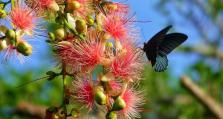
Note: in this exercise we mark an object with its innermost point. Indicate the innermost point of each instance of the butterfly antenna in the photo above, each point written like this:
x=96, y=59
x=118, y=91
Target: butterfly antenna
x=29, y=82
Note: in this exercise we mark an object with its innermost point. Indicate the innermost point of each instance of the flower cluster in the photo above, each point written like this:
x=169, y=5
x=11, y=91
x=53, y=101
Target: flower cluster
x=87, y=35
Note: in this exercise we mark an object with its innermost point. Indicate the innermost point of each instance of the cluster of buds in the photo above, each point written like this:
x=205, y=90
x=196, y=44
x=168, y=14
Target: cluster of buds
x=22, y=21
x=95, y=41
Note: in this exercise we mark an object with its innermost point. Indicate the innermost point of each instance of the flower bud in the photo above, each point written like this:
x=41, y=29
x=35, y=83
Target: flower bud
x=3, y=14
x=24, y=48
x=75, y=5
x=81, y=26
x=3, y=44
x=10, y=34
x=111, y=115
x=60, y=33
x=54, y=6
x=119, y=104
x=100, y=97
x=90, y=20
x=109, y=44
x=51, y=36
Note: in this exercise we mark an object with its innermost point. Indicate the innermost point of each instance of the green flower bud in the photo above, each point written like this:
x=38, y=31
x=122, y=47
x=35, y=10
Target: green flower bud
x=75, y=5
x=99, y=96
x=51, y=36
x=111, y=115
x=90, y=20
x=24, y=48
x=109, y=44
x=3, y=14
x=81, y=26
x=3, y=45
x=11, y=37
x=10, y=34
x=60, y=33
x=119, y=104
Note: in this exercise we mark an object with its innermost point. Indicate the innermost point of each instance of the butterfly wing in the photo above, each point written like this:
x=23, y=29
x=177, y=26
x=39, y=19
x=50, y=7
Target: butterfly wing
x=161, y=63
x=151, y=47
x=170, y=42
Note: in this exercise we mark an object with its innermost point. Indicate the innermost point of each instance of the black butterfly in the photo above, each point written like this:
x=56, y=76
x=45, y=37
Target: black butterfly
x=160, y=45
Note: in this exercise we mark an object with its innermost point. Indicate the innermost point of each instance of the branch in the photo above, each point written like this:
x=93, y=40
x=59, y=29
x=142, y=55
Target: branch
x=205, y=99
x=204, y=50
x=32, y=110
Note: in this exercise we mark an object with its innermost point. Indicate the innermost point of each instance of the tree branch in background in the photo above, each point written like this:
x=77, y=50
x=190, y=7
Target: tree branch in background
x=205, y=99
x=30, y=110
x=205, y=50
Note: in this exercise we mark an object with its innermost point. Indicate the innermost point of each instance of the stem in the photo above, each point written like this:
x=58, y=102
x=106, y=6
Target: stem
x=12, y=4
x=64, y=90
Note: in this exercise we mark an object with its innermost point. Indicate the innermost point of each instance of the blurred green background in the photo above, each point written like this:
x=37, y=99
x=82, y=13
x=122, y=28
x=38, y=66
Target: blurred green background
x=200, y=58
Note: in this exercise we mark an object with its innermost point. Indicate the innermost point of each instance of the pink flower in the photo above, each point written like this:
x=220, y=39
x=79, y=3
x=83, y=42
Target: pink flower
x=84, y=92
x=22, y=18
x=116, y=26
x=133, y=100
x=83, y=54
x=128, y=63
x=114, y=85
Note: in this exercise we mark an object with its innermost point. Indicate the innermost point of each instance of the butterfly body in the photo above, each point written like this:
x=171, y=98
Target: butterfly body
x=160, y=45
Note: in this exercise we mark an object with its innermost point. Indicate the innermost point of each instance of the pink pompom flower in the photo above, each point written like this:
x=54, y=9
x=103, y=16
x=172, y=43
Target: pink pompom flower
x=83, y=54
x=133, y=100
x=22, y=18
x=84, y=92
x=116, y=26
x=127, y=63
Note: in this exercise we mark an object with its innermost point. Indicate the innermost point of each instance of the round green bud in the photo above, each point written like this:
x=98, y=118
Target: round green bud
x=60, y=33
x=11, y=37
x=10, y=34
x=24, y=48
x=51, y=36
x=109, y=44
x=3, y=14
x=81, y=26
x=90, y=20
x=111, y=115
x=3, y=45
x=119, y=104
x=100, y=97
x=75, y=5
